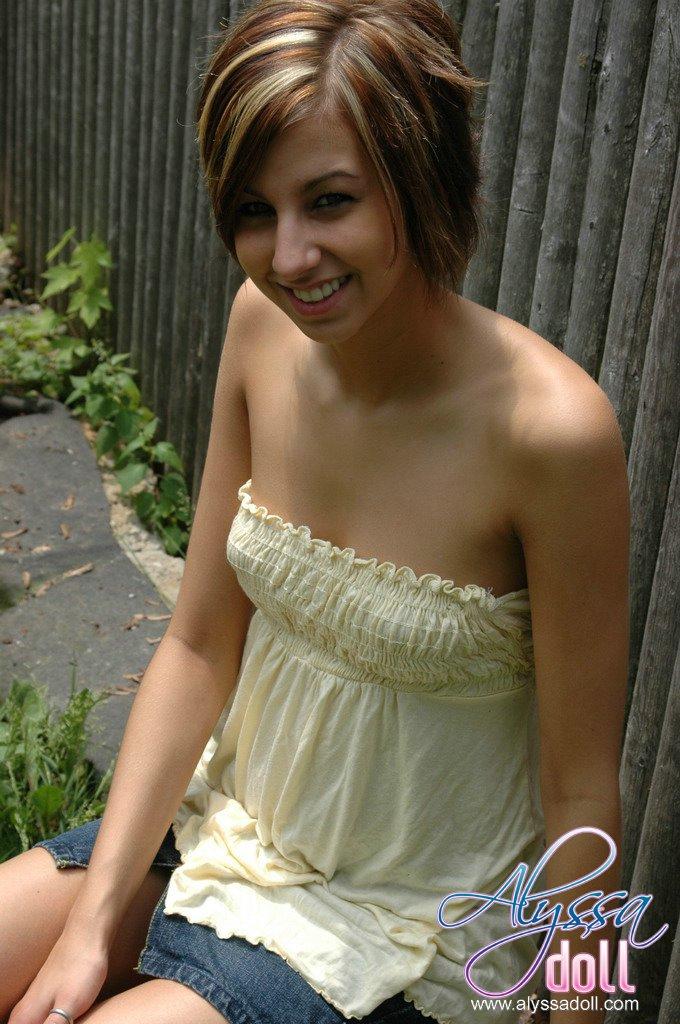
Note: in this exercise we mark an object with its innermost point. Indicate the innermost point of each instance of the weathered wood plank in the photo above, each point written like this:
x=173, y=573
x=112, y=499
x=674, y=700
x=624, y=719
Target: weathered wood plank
x=655, y=432
x=531, y=173
x=656, y=860
x=499, y=144
x=639, y=255
x=550, y=300
x=620, y=89
x=168, y=280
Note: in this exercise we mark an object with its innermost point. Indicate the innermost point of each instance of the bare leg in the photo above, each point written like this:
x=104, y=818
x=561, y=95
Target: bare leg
x=158, y=1001
x=35, y=899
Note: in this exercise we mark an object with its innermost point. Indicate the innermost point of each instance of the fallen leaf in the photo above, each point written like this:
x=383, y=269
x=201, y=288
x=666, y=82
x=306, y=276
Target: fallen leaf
x=26, y=579
x=19, y=488
x=40, y=549
x=65, y=530
x=43, y=588
x=8, y=534
x=88, y=567
x=150, y=600
x=158, y=618
x=136, y=677
x=69, y=502
x=157, y=640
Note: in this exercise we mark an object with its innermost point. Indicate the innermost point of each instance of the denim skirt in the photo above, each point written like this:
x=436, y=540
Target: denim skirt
x=248, y=984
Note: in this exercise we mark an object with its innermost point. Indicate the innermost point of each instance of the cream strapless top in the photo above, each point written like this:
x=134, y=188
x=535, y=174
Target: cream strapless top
x=379, y=751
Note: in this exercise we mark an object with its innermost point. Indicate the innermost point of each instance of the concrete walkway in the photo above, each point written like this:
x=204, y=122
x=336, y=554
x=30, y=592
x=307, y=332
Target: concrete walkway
x=70, y=598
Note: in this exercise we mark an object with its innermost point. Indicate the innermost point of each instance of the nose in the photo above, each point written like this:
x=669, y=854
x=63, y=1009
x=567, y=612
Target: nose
x=295, y=250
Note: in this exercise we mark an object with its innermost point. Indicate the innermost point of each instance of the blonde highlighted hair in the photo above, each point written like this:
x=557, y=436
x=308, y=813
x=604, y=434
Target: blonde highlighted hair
x=394, y=72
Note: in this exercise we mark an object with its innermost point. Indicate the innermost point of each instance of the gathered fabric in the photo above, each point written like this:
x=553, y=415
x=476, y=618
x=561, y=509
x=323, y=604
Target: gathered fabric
x=379, y=752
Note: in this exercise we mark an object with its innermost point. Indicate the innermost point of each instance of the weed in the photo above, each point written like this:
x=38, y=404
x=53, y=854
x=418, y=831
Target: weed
x=47, y=785
x=45, y=352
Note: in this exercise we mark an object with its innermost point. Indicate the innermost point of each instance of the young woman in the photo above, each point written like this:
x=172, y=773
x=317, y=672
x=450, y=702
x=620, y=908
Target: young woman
x=424, y=511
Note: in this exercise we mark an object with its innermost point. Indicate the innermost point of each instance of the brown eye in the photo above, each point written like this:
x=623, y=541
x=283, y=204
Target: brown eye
x=335, y=195
x=255, y=209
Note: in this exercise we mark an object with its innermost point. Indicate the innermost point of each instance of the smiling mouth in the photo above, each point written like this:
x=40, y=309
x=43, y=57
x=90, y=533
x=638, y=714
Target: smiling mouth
x=312, y=287
x=320, y=306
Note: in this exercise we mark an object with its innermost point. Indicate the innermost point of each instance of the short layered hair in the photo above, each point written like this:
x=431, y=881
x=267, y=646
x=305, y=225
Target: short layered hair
x=393, y=70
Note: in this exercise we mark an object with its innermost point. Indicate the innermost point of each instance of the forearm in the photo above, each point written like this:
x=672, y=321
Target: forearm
x=176, y=708
x=579, y=856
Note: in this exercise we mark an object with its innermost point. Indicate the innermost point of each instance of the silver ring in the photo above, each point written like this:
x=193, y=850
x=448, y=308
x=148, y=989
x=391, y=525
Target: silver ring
x=62, y=1013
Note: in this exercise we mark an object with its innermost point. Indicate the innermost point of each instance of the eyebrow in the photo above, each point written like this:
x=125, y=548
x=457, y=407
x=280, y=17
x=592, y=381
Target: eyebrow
x=313, y=183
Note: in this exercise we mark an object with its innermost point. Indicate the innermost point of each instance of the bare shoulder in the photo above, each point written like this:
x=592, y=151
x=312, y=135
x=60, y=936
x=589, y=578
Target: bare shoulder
x=263, y=316
x=562, y=438
x=558, y=411
x=263, y=330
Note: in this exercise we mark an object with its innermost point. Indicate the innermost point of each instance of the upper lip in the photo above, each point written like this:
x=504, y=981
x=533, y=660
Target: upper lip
x=309, y=287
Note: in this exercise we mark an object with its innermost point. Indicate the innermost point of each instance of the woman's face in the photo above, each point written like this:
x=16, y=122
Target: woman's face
x=290, y=233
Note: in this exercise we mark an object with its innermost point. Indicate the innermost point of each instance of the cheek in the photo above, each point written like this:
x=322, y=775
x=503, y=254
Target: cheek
x=379, y=235
x=251, y=246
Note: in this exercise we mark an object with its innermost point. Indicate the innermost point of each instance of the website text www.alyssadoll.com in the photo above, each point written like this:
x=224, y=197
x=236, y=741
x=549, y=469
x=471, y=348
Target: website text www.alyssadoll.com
x=532, y=1004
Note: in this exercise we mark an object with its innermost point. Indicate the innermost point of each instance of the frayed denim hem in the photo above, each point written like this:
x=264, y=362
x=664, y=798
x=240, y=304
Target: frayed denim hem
x=201, y=983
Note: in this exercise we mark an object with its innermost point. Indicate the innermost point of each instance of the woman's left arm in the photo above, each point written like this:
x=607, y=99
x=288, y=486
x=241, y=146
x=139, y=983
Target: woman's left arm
x=573, y=520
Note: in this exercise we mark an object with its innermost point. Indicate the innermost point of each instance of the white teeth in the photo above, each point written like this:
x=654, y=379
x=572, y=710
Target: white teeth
x=321, y=293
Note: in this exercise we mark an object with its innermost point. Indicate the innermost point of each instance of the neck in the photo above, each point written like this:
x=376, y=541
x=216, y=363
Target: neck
x=398, y=353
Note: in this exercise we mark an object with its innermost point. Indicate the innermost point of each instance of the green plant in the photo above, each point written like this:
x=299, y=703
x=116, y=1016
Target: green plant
x=47, y=785
x=86, y=268
x=110, y=399
x=36, y=355
x=42, y=352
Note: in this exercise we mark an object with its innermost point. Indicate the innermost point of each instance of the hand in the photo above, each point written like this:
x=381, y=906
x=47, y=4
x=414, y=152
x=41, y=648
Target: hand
x=71, y=978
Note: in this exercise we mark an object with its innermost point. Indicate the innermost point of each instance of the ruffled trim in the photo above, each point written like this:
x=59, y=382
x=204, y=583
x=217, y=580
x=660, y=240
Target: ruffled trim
x=384, y=570
x=257, y=938
x=426, y=1013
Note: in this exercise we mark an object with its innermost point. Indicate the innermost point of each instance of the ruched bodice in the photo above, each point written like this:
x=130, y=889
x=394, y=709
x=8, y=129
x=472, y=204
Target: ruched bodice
x=379, y=751
x=371, y=621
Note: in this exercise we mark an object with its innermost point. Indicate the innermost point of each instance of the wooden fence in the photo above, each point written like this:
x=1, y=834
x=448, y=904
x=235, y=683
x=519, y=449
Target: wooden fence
x=580, y=151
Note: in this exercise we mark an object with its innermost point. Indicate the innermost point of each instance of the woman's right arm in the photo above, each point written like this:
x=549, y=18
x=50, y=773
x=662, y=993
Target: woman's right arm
x=191, y=674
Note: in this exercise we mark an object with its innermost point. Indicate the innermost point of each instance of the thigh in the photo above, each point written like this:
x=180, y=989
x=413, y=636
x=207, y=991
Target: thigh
x=156, y=1002
x=247, y=983
x=163, y=1001
x=51, y=877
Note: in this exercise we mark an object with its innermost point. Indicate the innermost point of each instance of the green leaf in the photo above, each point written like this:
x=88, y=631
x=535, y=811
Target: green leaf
x=91, y=306
x=59, y=279
x=174, y=487
x=172, y=538
x=127, y=423
x=130, y=475
x=165, y=452
x=108, y=407
x=144, y=504
x=33, y=708
x=133, y=446
x=93, y=408
x=48, y=799
x=106, y=439
x=60, y=245
x=78, y=297
x=149, y=429
x=129, y=388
